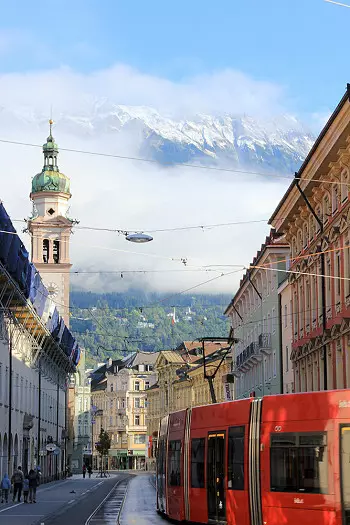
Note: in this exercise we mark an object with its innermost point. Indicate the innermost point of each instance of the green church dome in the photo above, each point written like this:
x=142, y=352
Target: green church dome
x=50, y=178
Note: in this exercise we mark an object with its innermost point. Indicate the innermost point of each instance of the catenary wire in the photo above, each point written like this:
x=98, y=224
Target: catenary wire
x=289, y=177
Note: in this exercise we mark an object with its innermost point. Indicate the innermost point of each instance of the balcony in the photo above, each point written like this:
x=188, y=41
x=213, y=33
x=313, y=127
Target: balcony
x=253, y=356
x=265, y=343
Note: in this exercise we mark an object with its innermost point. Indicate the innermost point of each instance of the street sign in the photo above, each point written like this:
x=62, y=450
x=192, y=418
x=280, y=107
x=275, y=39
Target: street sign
x=57, y=451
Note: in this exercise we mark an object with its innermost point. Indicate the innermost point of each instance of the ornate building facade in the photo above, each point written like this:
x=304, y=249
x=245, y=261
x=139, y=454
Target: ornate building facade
x=314, y=216
x=50, y=227
x=255, y=319
x=118, y=392
x=181, y=384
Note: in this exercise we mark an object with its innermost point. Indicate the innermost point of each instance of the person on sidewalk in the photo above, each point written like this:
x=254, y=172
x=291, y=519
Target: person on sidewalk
x=5, y=488
x=25, y=489
x=33, y=483
x=89, y=471
x=84, y=470
x=17, y=481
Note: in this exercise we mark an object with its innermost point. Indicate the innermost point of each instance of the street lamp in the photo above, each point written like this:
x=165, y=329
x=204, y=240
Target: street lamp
x=138, y=237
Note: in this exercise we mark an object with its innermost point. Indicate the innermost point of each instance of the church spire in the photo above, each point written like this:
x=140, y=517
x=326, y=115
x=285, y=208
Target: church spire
x=50, y=150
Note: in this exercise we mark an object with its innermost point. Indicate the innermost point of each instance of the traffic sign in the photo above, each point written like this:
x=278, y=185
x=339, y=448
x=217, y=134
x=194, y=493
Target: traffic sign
x=51, y=447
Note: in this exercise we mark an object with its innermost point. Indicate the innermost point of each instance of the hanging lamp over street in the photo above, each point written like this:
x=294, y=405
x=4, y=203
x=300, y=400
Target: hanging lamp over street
x=138, y=237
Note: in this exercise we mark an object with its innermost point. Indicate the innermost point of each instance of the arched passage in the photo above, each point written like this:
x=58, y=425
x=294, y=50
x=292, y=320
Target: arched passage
x=4, y=454
x=16, y=458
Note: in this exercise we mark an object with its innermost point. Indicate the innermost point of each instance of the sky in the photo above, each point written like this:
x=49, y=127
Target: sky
x=248, y=56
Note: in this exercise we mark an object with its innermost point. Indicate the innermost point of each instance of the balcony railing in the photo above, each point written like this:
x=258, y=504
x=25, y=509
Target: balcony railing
x=248, y=358
x=265, y=343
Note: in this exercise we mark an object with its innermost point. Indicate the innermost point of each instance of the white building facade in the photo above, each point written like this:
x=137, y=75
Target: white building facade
x=286, y=330
x=35, y=363
x=254, y=315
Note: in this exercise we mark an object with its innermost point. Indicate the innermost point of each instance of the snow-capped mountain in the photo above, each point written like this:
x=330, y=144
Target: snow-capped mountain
x=279, y=144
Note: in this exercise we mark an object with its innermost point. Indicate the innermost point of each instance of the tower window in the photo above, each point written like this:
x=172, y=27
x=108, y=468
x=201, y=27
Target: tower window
x=51, y=211
x=56, y=251
x=46, y=250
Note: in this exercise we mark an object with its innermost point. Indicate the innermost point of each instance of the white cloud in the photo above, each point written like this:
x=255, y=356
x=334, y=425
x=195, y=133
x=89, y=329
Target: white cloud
x=222, y=91
x=130, y=195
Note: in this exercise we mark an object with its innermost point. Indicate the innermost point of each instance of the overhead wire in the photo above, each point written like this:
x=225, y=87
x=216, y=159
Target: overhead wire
x=288, y=177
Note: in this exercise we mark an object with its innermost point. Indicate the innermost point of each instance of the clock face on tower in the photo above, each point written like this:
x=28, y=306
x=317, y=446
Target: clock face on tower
x=52, y=289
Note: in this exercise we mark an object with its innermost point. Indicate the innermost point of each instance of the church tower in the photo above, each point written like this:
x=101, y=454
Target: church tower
x=50, y=227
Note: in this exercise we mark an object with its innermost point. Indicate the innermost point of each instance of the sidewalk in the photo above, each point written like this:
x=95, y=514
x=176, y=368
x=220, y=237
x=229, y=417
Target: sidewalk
x=50, y=498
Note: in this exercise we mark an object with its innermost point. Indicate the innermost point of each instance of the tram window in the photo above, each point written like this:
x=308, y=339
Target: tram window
x=197, y=463
x=174, y=463
x=299, y=462
x=236, y=458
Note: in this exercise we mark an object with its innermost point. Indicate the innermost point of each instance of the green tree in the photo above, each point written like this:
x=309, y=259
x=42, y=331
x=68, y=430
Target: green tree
x=103, y=446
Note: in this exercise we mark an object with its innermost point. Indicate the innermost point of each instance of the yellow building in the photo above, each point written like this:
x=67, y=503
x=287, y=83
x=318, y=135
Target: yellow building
x=181, y=384
x=118, y=392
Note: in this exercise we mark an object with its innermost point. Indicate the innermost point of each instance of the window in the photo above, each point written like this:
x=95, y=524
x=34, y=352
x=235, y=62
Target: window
x=285, y=315
x=46, y=250
x=197, y=463
x=287, y=358
x=146, y=385
x=137, y=386
x=235, y=472
x=137, y=402
x=140, y=439
x=299, y=462
x=337, y=270
x=56, y=252
x=174, y=462
x=112, y=387
x=137, y=420
x=274, y=363
x=273, y=319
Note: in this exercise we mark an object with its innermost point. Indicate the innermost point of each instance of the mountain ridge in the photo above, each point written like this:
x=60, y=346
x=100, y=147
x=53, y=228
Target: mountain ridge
x=278, y=144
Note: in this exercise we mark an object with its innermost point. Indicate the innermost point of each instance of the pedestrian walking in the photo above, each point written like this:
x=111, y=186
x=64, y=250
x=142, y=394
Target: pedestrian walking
x=89, y=471
x=25, y=489
x=84, y=470
x=17, y=481
x=5, y=488
x=33, y=477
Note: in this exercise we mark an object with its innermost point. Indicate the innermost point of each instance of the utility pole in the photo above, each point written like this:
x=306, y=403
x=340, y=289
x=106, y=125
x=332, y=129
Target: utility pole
x=9, y=443
x=57, y=415
x=39, y=415
x=210, y=377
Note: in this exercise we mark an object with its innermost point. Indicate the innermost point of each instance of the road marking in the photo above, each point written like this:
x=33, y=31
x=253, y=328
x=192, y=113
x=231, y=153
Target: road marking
x=71, y=501
x=25, y=515
x=12, y=507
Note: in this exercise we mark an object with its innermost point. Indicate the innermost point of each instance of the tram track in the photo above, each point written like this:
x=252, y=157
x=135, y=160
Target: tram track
x=109, y=510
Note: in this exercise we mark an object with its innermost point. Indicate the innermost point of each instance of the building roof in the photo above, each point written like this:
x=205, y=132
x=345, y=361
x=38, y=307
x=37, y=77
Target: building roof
x=50, y=178
x=345, y=98
x=171, y=356
x=191, y=351
x=153, y=387
x=98, y=376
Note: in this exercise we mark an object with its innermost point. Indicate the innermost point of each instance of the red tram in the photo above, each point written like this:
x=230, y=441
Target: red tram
x=273, y=461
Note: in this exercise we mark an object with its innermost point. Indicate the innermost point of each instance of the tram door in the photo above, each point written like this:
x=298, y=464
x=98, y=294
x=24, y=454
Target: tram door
x=216, y=476
x=345, y=471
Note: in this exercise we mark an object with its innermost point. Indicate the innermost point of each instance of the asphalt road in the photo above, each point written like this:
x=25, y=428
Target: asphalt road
x=58, y=505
